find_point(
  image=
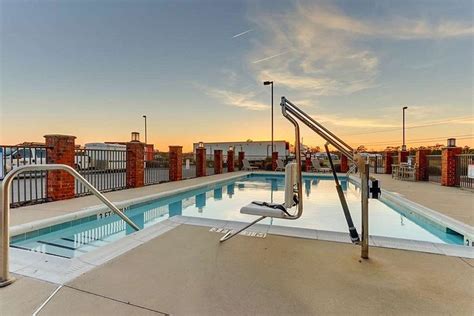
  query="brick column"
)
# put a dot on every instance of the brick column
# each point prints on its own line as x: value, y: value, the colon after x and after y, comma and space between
x: 308, y: 164
x: 200, y: 162
x: 388, y: 162
x: 175, y: 163
x: 402, y: 156
x: 448, y: 166
x: 218, y: 161
x: 230, y: 161
x: 135, y: 164
x: 422, y: 164
x: 241, y: 158
x: 274, y: 160
x: 344, y: 163
x: 59, y: 150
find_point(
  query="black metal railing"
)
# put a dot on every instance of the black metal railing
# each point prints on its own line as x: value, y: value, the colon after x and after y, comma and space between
x: 105, y: 169
x: 434, y: 168
x: 28, y: 187
x: 462, y: 170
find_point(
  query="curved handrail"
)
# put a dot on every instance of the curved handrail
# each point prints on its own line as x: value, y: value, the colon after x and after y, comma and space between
x: 5, y: 278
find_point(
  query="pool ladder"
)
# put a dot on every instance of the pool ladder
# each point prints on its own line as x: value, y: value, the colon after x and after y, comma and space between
x: 5, y: 277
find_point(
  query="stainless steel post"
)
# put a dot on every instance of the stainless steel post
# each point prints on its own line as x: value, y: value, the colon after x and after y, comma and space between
x: 364, y: 184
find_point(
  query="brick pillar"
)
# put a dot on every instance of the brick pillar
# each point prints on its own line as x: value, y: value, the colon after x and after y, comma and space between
x: 230, y: 161
x: 241, y: 158
x: 59, y: 150
x: 135, y: 164
x: 176, y: 163
x: 308, y: 163
x: 274, y: 160
x: 388, y: 162
x: 218, y: 161
x: 448, y: 166
x: 344, y: 163
x: 402, y: 156
x: 200, y: 162
x: 422, y: 164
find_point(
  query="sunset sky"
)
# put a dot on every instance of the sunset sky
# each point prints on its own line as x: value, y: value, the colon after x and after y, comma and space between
x: 195, y: 68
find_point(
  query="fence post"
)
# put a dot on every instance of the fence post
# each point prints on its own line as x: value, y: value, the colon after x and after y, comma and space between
x: 175, y: 163
x: 274, y: 160
x: 60, y: 149
x: 135, y: 164
x: 344, y: 164
x: 200, y: 162
x: 402, y: 156
x: 308, y: 162
x: 388, y: 162
x: 448, y: 166
x: 241, y: 159
x: 230, y: 161
x: 218, y: 161
x: 422, y: 164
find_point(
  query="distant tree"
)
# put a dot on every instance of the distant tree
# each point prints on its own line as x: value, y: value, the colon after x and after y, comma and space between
x: 361, y: 148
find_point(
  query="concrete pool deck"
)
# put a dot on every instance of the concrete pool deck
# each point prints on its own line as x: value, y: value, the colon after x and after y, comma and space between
x: 186, y: 271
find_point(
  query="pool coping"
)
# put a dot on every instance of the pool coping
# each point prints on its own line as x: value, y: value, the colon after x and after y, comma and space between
x: 62, y: 270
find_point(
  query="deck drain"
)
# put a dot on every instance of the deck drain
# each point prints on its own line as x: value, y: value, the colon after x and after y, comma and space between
x: 244, y: 233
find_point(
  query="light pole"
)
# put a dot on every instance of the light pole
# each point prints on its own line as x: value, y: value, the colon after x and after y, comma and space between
x: 404, y: 146
x: 266, y: 83
x: 146, y: 140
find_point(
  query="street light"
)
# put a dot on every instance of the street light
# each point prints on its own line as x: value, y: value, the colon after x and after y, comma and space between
x: 266, y: 83
x: 146, y: 141
x: 404, y: 147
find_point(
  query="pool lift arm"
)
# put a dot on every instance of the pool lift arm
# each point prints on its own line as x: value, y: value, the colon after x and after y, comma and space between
x: 292, y: 113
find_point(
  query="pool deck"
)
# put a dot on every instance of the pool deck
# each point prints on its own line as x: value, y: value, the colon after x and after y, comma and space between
x: 186, y: 271
x: 450, y: 201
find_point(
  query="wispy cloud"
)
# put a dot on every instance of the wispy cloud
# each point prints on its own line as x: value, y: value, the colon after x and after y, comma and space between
x: 245, y: 100
x: 243, y: 33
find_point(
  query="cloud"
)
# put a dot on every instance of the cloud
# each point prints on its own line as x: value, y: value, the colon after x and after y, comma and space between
x: 245, y: 100
x: 243, y: 33
x: 325, y: 53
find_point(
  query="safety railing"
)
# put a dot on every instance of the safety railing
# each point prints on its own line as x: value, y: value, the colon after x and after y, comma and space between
x: 434, y: 168
x: 5, y: 278
x: 462, y: 167
x: 30, y: 187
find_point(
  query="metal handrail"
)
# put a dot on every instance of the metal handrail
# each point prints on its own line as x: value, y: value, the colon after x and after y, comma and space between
x: 5, y: 278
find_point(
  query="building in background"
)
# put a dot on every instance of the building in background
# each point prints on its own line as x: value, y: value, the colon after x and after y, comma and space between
x: 254, y: 150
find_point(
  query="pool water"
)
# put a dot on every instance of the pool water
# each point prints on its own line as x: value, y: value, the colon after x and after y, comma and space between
x: 322, y: 211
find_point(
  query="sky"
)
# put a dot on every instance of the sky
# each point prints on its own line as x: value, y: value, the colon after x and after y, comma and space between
x: 92, y: 69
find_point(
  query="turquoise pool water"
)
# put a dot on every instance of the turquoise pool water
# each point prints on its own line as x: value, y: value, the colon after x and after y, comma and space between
x: 322, y: 211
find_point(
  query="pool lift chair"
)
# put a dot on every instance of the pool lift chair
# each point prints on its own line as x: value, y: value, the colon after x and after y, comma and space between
x: 293, y: 181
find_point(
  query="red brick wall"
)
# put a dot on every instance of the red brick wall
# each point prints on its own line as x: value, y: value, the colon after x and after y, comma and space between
x: 60, y: 150
x: 422, y: 164
x: 402, y: 156
x: 274, y: 160
x: 218, y: 158
x: 344, y: 164
x: 230, y: 161
x: 135, y: 164
x: 388, y: 161
x: 200, y: 162
x: 448, y: 166
x: 241, y: 158
x: 176, y: 163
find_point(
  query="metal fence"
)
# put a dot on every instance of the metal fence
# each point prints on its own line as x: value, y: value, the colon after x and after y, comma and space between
x: 434, y: 168
x: 105, y: 169
x: 462, y: 163
x: 28, y: 187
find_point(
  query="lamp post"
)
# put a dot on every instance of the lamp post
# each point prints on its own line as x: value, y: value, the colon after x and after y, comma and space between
x: 404, y: 146
x: 266, y: 83
x: 146, y: 140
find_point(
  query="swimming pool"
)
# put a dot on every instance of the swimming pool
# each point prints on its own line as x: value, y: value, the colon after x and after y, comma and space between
x: 322, y: 211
